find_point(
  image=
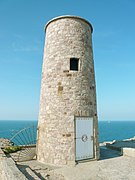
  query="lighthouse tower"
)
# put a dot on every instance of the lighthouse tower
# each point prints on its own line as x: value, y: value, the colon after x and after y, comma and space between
x: 67, y: 124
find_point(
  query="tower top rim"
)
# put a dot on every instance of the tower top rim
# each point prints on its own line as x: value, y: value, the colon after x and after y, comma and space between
x: 68, y: 16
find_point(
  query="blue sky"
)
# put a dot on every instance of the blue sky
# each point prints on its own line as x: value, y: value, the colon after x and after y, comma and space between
x: 21, y: 50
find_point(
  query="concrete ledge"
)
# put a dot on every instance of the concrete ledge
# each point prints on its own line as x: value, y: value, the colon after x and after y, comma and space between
x: 8, y: 169
x: 128, y: 152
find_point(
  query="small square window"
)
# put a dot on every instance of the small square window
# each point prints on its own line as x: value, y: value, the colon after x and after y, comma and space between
x: 74, y: 64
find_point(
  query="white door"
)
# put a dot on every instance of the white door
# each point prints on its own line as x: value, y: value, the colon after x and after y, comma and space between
x: 84, y: 138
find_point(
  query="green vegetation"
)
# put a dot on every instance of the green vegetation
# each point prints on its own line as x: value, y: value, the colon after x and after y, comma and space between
x: 11, y: 149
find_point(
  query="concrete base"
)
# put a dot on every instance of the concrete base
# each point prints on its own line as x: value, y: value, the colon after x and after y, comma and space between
x: 128, y: 152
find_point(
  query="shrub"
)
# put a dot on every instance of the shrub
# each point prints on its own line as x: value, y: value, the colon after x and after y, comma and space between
x: 11, y: 149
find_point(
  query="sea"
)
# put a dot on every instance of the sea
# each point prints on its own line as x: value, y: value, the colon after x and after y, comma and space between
x: 108, y: 130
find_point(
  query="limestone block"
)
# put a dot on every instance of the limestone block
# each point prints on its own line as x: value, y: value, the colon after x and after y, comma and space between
x: 128, y: 152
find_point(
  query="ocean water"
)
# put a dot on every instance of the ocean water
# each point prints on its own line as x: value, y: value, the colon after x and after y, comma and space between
x: 27, y: 129
x: 108, y: 130
x: 116, y: 130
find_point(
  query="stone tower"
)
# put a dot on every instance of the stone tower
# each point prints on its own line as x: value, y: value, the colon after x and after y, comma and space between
x: 67, y: 125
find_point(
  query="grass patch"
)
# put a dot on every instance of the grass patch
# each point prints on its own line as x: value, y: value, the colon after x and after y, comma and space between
x: 11, y: 149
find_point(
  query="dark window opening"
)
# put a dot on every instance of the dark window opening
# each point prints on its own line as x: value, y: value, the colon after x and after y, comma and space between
x: 74, y: 64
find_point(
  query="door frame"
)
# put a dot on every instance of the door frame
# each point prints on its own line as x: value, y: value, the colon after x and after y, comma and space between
x: 75, y: 138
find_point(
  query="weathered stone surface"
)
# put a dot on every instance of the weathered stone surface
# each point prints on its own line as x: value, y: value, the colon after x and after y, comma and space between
x: 112, y: 166
x: 128, y: 152
x: 65, y: 94
x: 8, y: 169
x: 5, y: 142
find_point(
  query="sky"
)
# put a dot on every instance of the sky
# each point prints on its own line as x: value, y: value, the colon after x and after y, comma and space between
x: 22, y: 39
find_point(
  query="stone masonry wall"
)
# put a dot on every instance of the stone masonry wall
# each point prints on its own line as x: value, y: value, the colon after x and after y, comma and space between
x: 65, y: 93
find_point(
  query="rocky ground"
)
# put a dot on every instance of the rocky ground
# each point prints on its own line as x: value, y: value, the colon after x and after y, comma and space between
x: 111, y: 166
x: 5, y: 142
